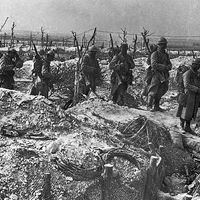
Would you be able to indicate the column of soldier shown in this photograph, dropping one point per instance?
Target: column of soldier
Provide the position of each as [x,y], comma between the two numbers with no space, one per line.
[121,64]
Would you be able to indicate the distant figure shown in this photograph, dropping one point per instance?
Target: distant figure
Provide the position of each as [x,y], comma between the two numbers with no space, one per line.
[121,64]
[91,70]
[42,75]
[189,95]
[161,65]
[8,62]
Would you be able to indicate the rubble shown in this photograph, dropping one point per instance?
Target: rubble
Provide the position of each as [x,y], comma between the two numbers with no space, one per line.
[34,131]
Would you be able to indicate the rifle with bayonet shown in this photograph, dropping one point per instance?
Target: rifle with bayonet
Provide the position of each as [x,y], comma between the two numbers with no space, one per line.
[35,49]
[38,62]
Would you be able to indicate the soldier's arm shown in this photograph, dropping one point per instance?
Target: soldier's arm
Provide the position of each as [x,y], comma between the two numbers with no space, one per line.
[132,64]
[154,63]
[169,64]
[113,63]
[188,85]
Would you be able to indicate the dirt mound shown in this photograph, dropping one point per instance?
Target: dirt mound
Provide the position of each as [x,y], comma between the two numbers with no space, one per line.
[29,114]
[82,131]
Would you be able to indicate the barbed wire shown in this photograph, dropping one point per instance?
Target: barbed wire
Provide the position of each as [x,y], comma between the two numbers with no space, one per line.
[153,35]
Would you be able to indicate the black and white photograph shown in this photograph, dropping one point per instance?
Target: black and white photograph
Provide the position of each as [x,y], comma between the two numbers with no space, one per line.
[99,100]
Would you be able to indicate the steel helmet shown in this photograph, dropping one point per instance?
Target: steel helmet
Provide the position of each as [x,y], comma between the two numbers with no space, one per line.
[51,53]
[124,45]
[162,40]
[93,49]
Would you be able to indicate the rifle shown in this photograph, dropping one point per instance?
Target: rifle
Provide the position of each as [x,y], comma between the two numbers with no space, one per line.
[36,52]
[111,41]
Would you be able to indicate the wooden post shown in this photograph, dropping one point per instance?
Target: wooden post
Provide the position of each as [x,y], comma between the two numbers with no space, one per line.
[42,37]
[193,54]
[4,39]
[134,44]
[63,42]
[141,44]
[111,41]
[47,187]
[47,40]
[31,39]
[106,183]
[12,34]
[94,38]
[77,70]
[150,188]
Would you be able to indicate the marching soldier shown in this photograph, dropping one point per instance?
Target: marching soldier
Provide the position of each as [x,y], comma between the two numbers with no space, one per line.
[161,65]
[43,77]
[121,64]
[189,95]
[91,70]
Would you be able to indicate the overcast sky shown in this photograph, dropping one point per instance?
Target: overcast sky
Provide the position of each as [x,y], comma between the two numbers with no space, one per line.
[167,17]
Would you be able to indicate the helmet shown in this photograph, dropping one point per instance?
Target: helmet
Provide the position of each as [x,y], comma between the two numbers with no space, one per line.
[51,53]
[124,45]
[93,49]
[162,40]
[196,61]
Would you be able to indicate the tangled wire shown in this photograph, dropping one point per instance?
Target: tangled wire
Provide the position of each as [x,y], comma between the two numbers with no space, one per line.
[80,173]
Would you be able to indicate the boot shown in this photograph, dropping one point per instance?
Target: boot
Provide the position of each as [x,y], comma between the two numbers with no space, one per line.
[157,106]
[182,124]
[150,103]
[188,129]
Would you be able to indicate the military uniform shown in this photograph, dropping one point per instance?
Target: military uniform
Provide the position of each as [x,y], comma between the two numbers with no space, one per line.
[189,97]
[43,77]
[7,64]
[91,71]
[121,77]
[161,66]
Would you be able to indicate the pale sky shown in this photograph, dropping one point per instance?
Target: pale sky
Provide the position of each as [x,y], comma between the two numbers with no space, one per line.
[170,17]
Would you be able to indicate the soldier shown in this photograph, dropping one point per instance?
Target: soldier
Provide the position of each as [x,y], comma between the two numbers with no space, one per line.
[43,80]
[189,96]
[121,77]
[8,62]
[91,70]
[161,65]
[37,75]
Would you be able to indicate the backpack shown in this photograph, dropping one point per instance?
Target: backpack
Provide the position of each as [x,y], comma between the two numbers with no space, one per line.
[182,97]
